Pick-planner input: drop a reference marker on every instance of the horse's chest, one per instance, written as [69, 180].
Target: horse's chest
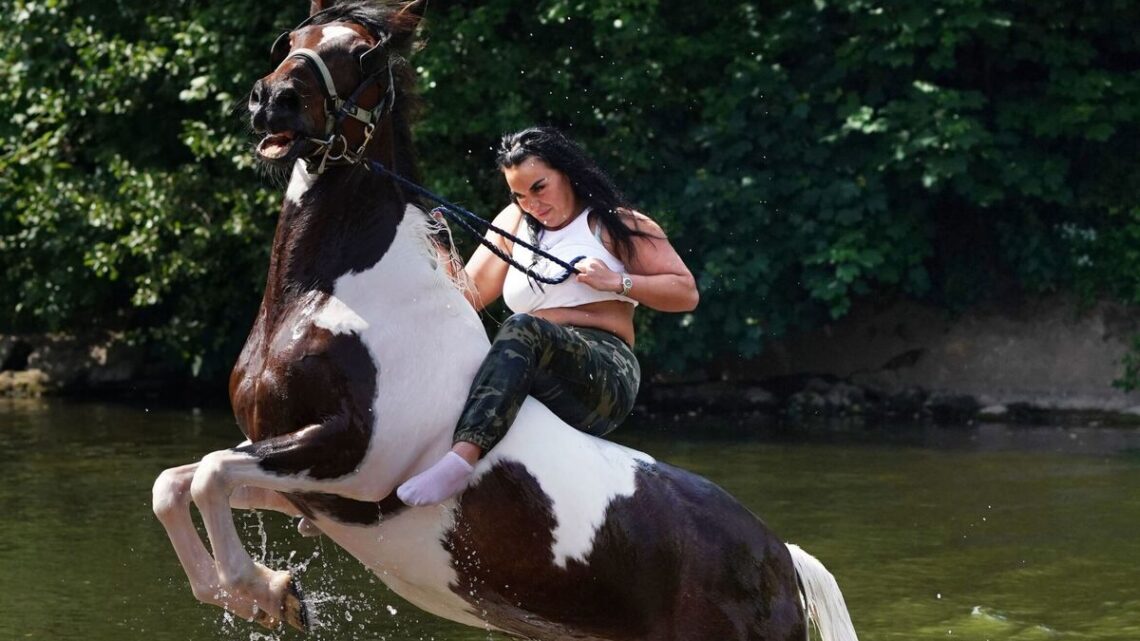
[295, 372]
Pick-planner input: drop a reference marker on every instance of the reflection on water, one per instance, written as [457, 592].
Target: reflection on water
[989, 532]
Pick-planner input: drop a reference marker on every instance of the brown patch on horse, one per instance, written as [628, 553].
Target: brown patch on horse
[347, 510]
[735, 581]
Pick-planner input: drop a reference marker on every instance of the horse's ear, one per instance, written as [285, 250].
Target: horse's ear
[316, 6]
[404, 23]
[414, 8]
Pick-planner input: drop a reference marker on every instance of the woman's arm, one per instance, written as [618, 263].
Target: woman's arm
[660, 278]
[485, 272]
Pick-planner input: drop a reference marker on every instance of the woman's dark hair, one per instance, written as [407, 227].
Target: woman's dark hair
[591, 185]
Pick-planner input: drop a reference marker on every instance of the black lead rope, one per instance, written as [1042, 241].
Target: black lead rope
[465, 218]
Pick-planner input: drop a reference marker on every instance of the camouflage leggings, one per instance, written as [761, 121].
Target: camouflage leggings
[588, 377]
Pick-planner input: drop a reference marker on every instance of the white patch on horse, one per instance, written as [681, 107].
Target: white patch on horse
[405, 553]
[416, 410]
[418, 326]
[556, 455]
[330, 33]
[415, 405]
[339, 318]
[299, 183]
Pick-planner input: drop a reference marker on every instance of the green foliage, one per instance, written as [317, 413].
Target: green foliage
[802, 156]
[806, 155]
[127, 198]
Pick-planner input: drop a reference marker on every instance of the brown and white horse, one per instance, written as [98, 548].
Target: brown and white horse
[352, 380]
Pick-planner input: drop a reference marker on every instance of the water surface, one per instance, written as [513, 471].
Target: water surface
[990, 532]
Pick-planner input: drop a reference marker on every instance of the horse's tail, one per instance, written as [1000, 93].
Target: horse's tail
[823, 602]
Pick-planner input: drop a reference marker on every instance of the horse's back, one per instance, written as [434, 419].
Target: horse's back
[736, 578]
[677, 558]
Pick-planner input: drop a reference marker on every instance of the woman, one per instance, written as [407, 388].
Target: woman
[569, 345]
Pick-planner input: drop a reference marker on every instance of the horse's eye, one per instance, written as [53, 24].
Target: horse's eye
[279, 50]
[371, 60]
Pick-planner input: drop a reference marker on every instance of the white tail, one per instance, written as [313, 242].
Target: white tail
[823, 602]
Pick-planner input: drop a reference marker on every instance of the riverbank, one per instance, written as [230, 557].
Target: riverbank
[94, 364]
[1046, 361]
[1042, 361]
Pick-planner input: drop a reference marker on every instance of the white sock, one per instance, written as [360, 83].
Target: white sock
[438, 483]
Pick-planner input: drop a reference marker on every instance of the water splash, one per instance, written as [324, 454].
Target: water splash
[323, 572]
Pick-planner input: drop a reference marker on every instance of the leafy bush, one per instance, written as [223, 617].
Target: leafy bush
[127, 196]
[807, 155]
[802, 156]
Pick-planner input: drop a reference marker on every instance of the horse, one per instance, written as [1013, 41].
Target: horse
[353, 377]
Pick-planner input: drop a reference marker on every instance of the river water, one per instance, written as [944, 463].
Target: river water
[988, 533]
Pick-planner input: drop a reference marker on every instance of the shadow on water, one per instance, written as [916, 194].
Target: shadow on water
[983, 532]
[1084, 440]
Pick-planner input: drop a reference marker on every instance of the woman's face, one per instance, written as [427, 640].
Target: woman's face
[543, 192]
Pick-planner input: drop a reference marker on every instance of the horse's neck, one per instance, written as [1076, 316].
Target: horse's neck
[380, 276]
[347, 234]
[414, 308]
[334, 223]
[426, 339]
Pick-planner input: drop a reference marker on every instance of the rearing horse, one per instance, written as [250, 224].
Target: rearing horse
[355, 373]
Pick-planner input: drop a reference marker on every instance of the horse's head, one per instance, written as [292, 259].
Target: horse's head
[336, 81]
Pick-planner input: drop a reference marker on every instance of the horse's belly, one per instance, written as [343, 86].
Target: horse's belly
[406, 553]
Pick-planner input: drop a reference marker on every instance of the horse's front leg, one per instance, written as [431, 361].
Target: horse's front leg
[298, 462]
[171, 504]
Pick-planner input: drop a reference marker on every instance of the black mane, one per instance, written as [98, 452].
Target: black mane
[374, 16]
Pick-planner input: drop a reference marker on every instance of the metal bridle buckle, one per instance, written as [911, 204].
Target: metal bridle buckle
[329, 155]
[368, 129]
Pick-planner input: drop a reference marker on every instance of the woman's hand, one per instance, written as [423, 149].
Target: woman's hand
[595, 273]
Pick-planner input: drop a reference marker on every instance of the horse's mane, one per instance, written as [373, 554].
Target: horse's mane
[441, 244]
[381, 19]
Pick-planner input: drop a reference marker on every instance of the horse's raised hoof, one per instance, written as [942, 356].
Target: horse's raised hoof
[296, 611]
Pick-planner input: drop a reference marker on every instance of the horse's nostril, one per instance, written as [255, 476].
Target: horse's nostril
[289, 99]
[256, 93]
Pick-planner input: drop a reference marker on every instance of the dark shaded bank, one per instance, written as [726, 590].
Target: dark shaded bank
[834, 403]
[99, 364]
[1047, 361]
[1042, 361]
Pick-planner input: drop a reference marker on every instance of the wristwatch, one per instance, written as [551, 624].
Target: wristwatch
[626, 284]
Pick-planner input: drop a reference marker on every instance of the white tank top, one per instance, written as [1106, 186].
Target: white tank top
[524, 295]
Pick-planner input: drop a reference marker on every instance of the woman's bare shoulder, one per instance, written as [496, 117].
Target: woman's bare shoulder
[641, 222]
[508, 220]
[509, 217]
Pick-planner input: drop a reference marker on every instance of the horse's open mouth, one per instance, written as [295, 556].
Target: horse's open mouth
[276, 146]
